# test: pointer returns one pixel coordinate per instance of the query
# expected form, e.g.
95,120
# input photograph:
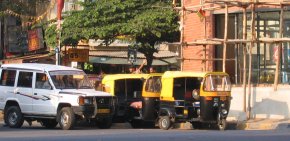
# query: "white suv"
51,94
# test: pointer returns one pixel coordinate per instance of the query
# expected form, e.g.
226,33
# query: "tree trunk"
149,59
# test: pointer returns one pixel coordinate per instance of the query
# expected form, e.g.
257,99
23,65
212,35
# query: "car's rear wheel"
66,118
14,117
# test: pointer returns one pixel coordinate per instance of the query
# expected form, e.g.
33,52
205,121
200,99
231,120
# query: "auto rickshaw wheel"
222,123
164,122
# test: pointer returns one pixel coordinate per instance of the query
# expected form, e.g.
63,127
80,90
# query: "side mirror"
137,94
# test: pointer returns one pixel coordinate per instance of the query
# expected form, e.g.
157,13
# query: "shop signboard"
78,55
35,39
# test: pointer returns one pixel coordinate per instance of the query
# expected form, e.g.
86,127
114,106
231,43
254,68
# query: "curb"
264,124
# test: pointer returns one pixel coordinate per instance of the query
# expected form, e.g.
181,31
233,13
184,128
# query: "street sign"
78,55
132,55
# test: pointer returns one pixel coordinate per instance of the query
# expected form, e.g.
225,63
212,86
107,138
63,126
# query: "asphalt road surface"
38,133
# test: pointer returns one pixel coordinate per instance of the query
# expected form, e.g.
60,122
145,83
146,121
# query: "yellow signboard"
78,55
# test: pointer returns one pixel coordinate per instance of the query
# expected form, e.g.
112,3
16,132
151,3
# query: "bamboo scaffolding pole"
225,38
182,34
244,57
278,64
216,41
204,47
215,59
204,58
241,2
250,59
220,4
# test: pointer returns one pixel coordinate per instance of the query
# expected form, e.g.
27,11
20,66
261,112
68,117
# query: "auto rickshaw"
137,97
194,97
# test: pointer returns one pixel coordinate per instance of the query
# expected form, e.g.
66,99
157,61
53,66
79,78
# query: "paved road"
37,133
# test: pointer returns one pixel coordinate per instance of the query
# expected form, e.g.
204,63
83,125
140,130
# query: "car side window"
25,79
8,77
42,81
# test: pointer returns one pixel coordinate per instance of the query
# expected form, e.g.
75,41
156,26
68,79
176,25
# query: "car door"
43,103
23,91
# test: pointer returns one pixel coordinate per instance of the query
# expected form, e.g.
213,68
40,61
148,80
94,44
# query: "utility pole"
1,39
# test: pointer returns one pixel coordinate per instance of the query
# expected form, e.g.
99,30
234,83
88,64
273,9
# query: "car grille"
103,102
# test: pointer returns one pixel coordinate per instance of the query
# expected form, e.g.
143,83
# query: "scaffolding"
246,6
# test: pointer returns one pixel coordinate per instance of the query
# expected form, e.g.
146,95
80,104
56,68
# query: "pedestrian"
151,70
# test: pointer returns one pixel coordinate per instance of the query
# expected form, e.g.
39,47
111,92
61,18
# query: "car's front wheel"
66,118
14,117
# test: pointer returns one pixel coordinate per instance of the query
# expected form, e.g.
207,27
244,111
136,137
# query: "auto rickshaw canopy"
109,80
169,76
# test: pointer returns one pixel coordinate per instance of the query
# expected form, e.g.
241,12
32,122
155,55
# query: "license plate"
103,111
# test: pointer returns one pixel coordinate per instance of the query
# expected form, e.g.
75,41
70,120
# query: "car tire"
14,117
105,123
49,123
66,118
164,122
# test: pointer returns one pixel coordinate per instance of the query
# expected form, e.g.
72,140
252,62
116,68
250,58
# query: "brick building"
212,26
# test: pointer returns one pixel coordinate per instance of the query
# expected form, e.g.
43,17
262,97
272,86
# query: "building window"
264,56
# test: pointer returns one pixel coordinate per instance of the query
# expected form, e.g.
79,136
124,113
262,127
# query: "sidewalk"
253,124
264,124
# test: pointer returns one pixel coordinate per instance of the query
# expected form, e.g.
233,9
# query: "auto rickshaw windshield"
217,83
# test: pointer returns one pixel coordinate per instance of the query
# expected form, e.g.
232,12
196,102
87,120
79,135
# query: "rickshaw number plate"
103,111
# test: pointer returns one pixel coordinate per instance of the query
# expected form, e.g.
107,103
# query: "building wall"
194,28
265,103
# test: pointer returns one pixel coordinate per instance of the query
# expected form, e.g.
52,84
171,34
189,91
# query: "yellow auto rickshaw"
194,97
137,97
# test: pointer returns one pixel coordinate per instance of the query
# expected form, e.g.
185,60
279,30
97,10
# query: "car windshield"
70,80
217,83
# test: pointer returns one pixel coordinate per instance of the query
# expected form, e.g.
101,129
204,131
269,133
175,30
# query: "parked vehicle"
138,97
194,97
51,95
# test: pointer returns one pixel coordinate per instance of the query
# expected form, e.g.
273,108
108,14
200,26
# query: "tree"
145,22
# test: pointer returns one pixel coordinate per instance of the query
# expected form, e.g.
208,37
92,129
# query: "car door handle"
17,92
35,93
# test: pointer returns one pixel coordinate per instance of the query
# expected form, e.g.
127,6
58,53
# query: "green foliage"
50,36
144,21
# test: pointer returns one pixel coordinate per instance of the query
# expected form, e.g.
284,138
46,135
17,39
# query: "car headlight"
224,111
85,100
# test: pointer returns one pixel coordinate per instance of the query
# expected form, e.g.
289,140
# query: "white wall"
264,101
